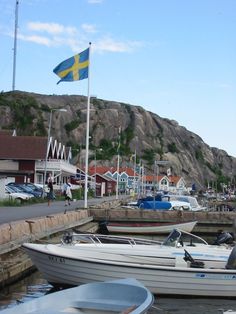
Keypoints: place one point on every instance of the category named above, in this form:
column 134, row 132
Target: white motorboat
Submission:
column 191, row 200
column 149, row 251
column 69, row 266
column 170, row 202
column 149, row 228
column 111, row 297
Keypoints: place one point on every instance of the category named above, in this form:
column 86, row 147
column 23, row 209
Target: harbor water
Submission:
column 34, row 286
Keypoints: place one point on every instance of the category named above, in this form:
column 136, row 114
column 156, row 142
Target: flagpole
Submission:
column 118, row 168
column 15, row 46
column 87, row 139
column 143, row 179
column 117, row 179
column 134, row 185
column 139, row 178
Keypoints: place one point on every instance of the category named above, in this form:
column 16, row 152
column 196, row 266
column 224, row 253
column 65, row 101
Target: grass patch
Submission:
column 10, row 202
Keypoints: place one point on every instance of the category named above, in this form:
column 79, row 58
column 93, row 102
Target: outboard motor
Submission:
column 231, row 263
column 102, row 229
column 223, row 238
column 67, row 238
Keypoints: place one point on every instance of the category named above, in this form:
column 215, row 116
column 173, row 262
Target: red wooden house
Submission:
column 28, row 158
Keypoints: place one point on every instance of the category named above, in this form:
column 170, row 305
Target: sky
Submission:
column 175, row 58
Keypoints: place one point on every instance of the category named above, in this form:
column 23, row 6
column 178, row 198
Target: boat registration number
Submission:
column 56, row 259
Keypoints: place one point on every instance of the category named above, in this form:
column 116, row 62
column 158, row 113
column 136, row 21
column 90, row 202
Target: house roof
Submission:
column 105, row 177
column 129, row 171
column 98, row 169
column 103, row 170
column 22, row 147
column 153, row 178
column 31, row 148
column 174, row 179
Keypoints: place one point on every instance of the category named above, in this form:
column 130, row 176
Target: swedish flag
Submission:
column 74, row 68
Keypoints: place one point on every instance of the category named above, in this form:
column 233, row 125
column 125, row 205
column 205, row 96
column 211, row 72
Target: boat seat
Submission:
column 105, row 305
column 193, row 263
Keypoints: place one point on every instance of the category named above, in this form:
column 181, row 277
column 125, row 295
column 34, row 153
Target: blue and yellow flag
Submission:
column 74, row 68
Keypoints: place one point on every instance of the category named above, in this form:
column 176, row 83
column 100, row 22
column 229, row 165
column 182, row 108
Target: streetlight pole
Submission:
column 48, row 141
column 118, row 165
column 95, row 177
column 135, row 171
column 117, row 178
column 143, row 180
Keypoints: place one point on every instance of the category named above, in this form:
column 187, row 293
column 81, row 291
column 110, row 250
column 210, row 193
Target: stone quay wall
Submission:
column 13, row 234
column 208, row 222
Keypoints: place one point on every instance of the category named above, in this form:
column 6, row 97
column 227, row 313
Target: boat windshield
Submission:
column 173, row 238
column 99, row 238
column 179, row 238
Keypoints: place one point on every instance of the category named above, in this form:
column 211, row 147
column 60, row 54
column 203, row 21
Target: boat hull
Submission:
column 93, row 298
column 150, row 229
column 60, row 269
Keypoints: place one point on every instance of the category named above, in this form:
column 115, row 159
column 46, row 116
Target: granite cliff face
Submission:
column 153, row 137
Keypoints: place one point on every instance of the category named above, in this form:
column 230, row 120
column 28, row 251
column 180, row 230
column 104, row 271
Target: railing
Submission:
column 73, row 238
column 55, row 164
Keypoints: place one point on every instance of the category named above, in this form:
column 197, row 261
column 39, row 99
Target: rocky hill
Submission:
column 153, row 137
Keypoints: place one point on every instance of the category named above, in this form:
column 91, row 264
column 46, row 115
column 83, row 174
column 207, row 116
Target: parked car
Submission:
column 11, row 193
column 29, row 189
column 24, row 189
column 35, row 188
column 17, row 189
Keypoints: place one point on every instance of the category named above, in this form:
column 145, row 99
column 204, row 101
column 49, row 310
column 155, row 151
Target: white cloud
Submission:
column 89, row 28
column 75, row 44
column 51, row 28
column 57, row 35
column 109, row 44
column 36, row 39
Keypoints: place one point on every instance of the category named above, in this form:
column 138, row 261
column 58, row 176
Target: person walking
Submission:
column 50, row 194
column 67, row 192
